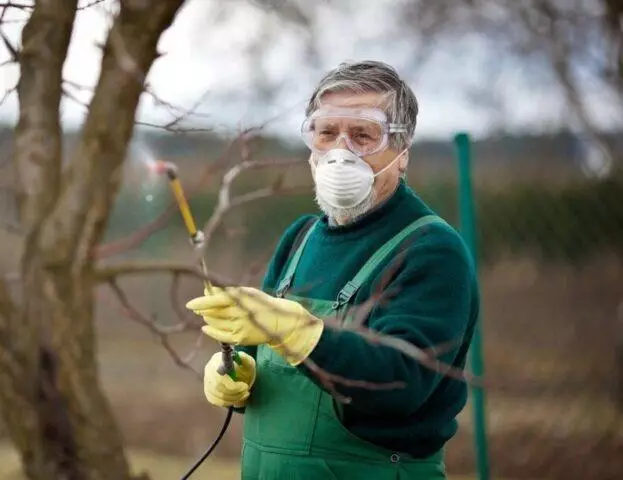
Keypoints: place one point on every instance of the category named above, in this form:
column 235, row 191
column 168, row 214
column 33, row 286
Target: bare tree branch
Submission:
column 13, row 51
column 142, row 233
column 161, row 332
column 546, row 28
column 428, row 358
column 226, row 202
column 106, row 274
column 18, row 6
column 178, row 113
column 90, row 4
column 145, row 231
column 329, row 380
column 75, row 99
column 137, row 237
column 424, row 357
column 555, row 39
column 7, row 94
column 128, row 54
column 172, row 127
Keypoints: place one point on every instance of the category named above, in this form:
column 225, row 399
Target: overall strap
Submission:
column 349, row 290
column 286, row 280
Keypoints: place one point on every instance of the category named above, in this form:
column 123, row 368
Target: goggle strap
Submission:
column 397, row 128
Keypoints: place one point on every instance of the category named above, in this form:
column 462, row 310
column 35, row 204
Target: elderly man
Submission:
column 378, row 255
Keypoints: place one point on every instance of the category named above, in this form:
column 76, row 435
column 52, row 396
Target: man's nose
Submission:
column 341, row 142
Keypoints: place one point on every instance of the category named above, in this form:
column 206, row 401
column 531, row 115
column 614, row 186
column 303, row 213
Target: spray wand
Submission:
column 197, row 239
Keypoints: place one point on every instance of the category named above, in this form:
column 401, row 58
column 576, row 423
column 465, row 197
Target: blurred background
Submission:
column 539, row 87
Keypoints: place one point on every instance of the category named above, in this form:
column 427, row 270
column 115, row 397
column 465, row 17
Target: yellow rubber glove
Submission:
column 221, row 390
column 248, row 316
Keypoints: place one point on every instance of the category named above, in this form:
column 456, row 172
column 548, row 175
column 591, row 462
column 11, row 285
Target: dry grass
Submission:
column 160, row 467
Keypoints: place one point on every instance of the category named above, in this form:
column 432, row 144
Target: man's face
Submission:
column 386, row 182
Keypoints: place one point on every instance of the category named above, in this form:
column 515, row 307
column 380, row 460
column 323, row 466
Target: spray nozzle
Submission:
column 160, row 167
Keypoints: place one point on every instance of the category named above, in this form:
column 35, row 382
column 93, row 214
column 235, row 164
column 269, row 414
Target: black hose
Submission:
column 207, row 453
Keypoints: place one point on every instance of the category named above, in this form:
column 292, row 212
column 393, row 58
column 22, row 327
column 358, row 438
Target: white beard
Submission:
column 345, row 215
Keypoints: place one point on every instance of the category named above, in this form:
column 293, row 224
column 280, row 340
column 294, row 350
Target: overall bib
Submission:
column 292, row 429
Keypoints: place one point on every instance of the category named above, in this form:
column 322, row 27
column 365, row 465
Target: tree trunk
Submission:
column 618, row 358
column 50, row 394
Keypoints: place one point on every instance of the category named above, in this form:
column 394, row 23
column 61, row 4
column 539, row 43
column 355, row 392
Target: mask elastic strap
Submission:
column 390, row 163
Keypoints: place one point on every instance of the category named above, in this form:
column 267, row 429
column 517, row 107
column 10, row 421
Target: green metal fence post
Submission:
column 468, row 231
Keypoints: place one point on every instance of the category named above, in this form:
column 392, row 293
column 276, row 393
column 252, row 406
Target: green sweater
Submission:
column 433, row 299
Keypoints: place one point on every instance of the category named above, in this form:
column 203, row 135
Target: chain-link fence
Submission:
column 551, row 271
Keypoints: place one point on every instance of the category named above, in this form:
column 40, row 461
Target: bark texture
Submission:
column 50, row 393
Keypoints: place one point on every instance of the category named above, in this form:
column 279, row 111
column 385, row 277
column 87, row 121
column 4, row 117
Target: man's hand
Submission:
column 247, row 316
column 221, row 390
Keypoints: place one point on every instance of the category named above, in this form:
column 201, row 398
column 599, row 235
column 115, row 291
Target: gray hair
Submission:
column 373, row 76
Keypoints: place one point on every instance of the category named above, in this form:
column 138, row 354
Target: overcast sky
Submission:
column 203, row 53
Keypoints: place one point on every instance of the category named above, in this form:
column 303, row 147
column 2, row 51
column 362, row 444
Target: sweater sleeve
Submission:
column 428, row 304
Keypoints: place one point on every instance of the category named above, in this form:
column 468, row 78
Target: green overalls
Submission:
column 291, row 426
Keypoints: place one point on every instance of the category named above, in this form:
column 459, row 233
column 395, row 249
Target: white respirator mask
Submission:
column 344, row 180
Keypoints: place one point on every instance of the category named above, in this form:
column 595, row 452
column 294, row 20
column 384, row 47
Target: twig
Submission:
column 152, row 326
column 77, row 86
column 71, row 96
column 172, row 128
column 13, row 51
column 183, row 317
column 142, row 233
column 7, row 94
column 225, row 201
column 182, row 113
column 90, row 4
column 19, row 6
column 137, row 237
column 106, row 274
column 426, row 358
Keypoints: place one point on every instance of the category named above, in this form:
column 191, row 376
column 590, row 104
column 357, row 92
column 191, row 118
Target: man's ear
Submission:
column 403, row 162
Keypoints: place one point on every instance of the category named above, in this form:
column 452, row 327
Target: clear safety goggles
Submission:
column 364, row 131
